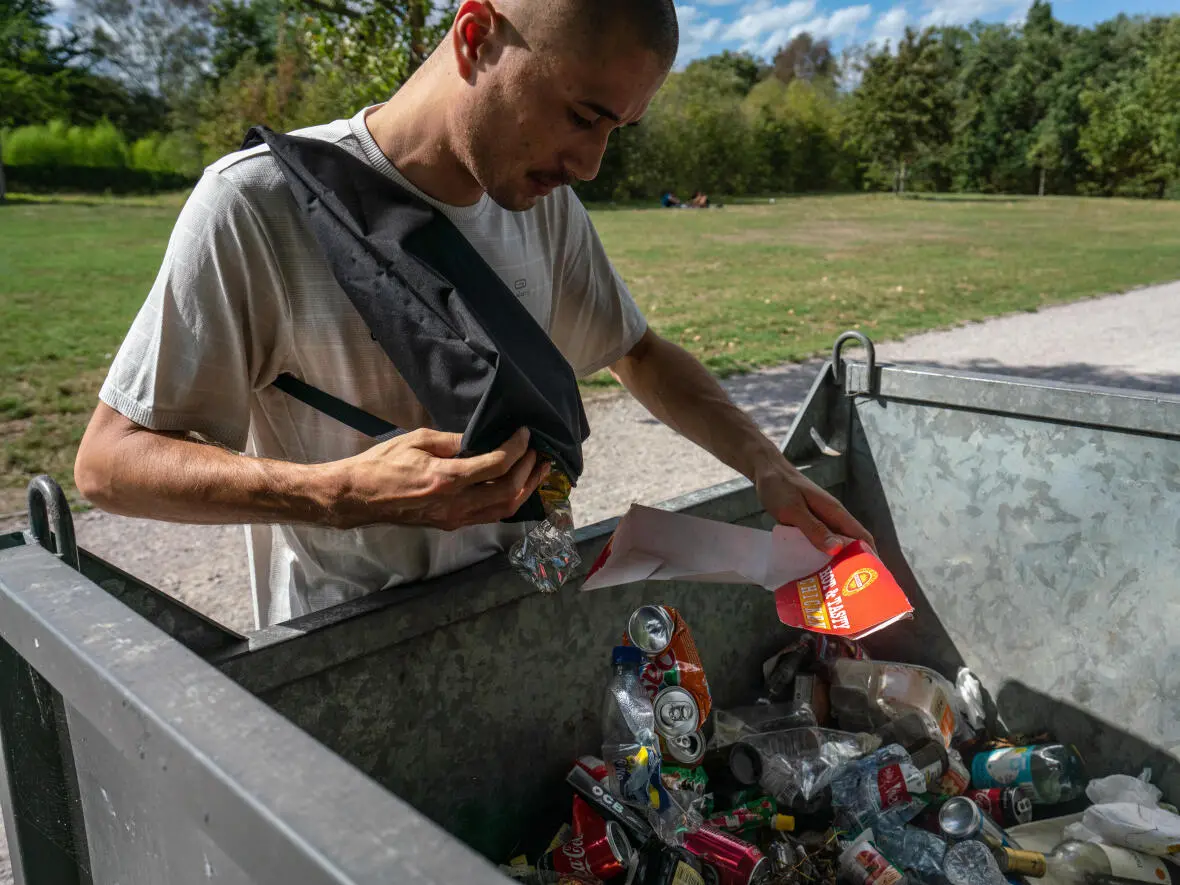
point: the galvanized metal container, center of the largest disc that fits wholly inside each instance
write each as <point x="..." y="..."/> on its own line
<point x="1036" y="527"/>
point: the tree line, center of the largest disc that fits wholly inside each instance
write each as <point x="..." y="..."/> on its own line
<point x="162" y="87"/>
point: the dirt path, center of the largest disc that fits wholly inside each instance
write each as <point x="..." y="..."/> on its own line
<point x="1118" y="341"/>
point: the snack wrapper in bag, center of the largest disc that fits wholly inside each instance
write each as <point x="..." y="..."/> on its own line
<point x="547" y="555"/>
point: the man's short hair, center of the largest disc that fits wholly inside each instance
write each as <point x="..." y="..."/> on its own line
<point x="650" y="23"/>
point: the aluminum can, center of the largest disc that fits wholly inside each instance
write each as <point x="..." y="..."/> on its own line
<point x="650" y="629"/>
<point x="687" y="749"/>
<point x="677" y="713"/>
<point x="597" y="851"/>
<point x="733" y="861"/>
<point x="1007" y="806"/>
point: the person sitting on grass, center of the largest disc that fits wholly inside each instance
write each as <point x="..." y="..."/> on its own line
<point x="700" y="200"/>
<point x="671" y="201"/>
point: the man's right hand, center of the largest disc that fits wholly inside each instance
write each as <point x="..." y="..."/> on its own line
<point x="416" y="479"/>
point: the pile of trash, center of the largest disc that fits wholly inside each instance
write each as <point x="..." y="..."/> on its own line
<point x="847" y="770"/>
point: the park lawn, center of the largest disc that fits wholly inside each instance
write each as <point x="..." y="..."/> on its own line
<point x="747" y="285"/>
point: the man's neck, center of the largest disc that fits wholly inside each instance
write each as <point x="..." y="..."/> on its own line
<point x="410" y="130"/>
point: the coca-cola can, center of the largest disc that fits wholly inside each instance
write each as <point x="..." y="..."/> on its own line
<point x="677" y="712"/>
<point x="687" y="749"/>
<point x="598" y="850"/>
<point x="733" y="861"/>
<point x="1007" y="806"/>
<point x="650" y="629"/>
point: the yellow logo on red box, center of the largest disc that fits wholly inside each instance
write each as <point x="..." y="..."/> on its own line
<point x="858" y="580"/>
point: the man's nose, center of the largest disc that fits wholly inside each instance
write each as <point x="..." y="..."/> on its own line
<point x="585" y="159"/>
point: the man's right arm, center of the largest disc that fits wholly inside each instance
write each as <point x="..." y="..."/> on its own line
<point x="414" y="479"/>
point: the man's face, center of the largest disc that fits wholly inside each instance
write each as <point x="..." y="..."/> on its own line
<point x="537" y="120"/>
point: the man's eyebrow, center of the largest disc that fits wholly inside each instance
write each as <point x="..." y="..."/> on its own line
<point x="603" y="112"/>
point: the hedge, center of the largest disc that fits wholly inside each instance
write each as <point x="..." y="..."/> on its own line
<point x="93" y="179"/>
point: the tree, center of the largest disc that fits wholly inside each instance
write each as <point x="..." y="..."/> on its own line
<point x="244" y="28"/>
<point x="902" y="110"/>
<point x="746" y="69"/>
<point x="805" y="58"/>
<point x="156" y="46"/>
<point x="340" y="35"/>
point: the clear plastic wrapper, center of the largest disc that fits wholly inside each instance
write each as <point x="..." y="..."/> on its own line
<point x="969" y="701"/>
<point x="971" y="863"/>
<point x="730" y="726"/>
<point x="796" y="766"/>
<point x="547" y="555"/>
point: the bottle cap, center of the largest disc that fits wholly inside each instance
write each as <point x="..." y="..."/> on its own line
<point x="626" y="654"/>
<point x="783" y="823"/>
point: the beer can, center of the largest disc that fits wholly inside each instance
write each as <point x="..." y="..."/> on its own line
<point x="650" y="629"/>
<point x="1007" y="806"/>
<point x="597" y="851"/>
<point x="960" y="820"/>
<point x="732" y="860"/>
<point x="687" y="749"/>
<point x="677" y="713"/>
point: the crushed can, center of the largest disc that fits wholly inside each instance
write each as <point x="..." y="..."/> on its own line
<point x="730" y="860"/>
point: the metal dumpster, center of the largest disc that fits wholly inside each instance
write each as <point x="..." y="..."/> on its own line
<point x="1036" y="527"/>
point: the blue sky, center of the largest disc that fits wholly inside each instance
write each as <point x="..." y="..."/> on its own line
<point x="761" y="26"/>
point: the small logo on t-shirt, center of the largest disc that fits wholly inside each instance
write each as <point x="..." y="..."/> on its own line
<point x="521" y="287"/>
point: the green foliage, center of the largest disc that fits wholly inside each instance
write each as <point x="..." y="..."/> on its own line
<point x="339" y="39"/>
<point x="58" y="144"/>
<point x="744" y="67"/>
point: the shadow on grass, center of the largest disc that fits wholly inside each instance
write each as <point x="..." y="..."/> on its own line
<point x="956" y="198"/>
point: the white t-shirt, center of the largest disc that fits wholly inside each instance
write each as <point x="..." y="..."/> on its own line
<point x="244" y="294"/>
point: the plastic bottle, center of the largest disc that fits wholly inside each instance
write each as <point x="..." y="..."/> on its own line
<point x="1081" y="863"/>
<point x="884" y="784"/>
<point x="796" y="766"/>
<point x="868" y="694"/>
<point x="629" y="744"/>
<point x="971" y="863"/>
<point x="1055" y="772"/>
<point x="862" y="863"/>
<point x="917" y="853"/>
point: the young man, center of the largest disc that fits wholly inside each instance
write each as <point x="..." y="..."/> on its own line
<point x="517" y="102"/>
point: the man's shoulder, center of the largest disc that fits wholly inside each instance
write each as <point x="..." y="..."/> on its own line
<point x="255" y="173"/>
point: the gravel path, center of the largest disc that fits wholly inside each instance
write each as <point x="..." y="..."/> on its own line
<point x="1118" y="341"/>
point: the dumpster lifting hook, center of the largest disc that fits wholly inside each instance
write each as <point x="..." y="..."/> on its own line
<point x="50" y="523"/>
<point x="838" y="362"/>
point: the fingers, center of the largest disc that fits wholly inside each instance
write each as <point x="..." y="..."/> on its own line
<point x="820" y="536"/>
<point x="433" y="442"/>
<point x="508" y="503"/>
<point x="837" y="518"/>
<point x="488" y="466"/>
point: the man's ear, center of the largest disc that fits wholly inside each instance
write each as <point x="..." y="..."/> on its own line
<point x="471" y="35"/>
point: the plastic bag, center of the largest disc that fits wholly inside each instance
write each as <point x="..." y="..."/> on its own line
<point x="1124" y="788"/>
<point x="969" y="700"/>
<point x="547" y="555"/>
<point x="1138" y="827"/>
<point x="1127" y="812"/>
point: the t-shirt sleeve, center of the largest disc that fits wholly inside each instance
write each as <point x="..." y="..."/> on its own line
<point x="595" y="319"/>
<point x="205" y="339"/>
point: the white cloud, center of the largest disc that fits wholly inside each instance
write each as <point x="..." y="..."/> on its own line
<point x="752" y="26"/>
<point x="694" y="34"/>
<point x="890" y="26"/>
<point x="841" y="23"/>
<point x="714" y="3"/>
<point x="962" y="12"/>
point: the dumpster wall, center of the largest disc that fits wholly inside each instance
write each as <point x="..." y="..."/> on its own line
<point x="1044" y="552"/>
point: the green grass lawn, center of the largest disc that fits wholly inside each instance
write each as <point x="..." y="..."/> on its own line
<point x="748" y="285"/>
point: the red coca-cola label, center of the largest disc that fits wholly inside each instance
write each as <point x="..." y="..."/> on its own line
<point x="652" y="677"/>
<point x="891" y="785"/>
<point x="571" y="860"/>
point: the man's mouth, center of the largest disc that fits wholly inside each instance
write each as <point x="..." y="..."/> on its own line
<point x="548" y="181"/>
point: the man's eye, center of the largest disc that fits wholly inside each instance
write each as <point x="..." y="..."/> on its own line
<point x="579" y="121"/>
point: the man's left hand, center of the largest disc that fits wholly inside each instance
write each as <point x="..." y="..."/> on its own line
<point x="793" y="499"/>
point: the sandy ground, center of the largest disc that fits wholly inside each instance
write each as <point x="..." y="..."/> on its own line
<point x="1124" y="340"/>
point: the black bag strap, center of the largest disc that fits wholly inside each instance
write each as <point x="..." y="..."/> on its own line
<point x="346" y="413"/>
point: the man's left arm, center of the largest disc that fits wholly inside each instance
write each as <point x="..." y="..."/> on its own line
<point x="679" y="391"/>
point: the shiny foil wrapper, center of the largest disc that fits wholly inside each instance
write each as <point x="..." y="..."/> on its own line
<point x="547" y="555"/>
